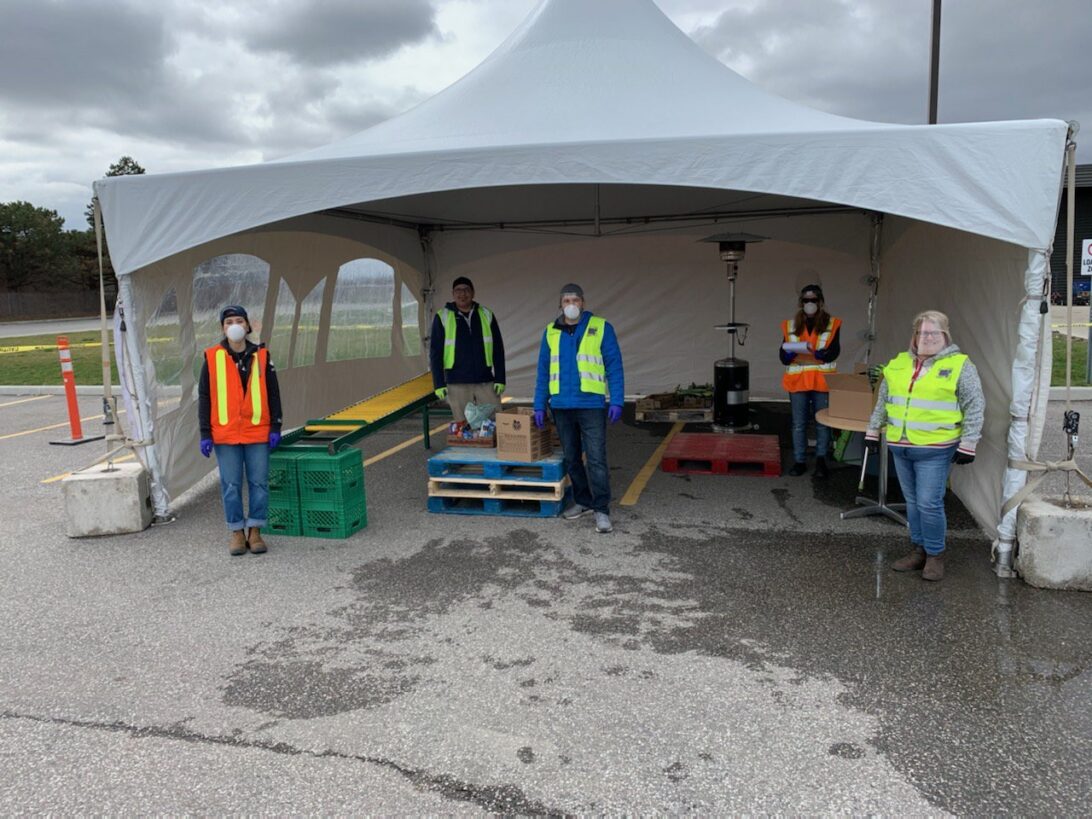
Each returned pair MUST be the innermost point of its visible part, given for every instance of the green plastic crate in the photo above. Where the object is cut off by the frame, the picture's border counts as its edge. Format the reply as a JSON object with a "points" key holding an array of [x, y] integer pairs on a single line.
{"points": [[331, 479], [283, 518], [284, 476], [333, 520]]}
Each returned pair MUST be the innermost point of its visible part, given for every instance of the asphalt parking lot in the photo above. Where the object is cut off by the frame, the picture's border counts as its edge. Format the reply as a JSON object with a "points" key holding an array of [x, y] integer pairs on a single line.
{"points": [[732, 647]]}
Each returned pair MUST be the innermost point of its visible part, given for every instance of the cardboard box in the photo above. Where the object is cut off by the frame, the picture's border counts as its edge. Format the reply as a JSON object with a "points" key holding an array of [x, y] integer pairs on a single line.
{"points": [[518, 439], [850, 396]]}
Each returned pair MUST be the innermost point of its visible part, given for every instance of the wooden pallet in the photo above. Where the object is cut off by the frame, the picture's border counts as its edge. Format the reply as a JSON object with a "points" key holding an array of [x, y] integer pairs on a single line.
{"points": [[458, 462], [696, 415], [507, 489], [505, 507], [715, 454]]}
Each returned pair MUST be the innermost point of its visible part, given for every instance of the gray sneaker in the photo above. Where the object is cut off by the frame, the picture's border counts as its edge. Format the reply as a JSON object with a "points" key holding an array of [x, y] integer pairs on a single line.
{"points": [[602, 523], [575, 511]]}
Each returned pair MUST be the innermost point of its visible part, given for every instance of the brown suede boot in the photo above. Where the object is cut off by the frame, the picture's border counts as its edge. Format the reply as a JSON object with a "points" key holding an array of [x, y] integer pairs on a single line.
{"points": [[237, 546], [911, 562], [934, 568], [254, 538]]}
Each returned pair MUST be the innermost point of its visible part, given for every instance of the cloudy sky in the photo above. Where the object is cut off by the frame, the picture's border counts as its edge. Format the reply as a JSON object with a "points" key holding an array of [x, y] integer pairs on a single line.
{"points": [[185, 84]]}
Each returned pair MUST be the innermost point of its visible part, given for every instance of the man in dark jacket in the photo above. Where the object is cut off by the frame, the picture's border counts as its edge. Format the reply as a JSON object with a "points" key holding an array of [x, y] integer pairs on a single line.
{"points": [[466, 352]]}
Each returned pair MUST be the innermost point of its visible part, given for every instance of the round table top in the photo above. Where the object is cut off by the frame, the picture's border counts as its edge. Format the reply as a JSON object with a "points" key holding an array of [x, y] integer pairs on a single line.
{"points": [[852, 424]]}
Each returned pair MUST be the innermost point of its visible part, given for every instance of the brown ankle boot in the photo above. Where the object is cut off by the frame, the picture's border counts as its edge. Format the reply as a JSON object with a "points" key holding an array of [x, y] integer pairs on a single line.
{"points": [[934, 568], [911, 562], [254, 538], [237, 546]]}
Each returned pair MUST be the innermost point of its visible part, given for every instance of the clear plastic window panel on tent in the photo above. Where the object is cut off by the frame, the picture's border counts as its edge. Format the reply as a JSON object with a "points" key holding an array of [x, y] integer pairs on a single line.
{"points": [[164, 339], [362, 317], [284, 323], [307, 330], [411, 323], [235, 278]]}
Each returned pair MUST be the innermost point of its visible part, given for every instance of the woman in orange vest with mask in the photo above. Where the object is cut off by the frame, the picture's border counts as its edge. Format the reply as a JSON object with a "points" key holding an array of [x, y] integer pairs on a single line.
{"points": [[239, 412], [809, 348]]}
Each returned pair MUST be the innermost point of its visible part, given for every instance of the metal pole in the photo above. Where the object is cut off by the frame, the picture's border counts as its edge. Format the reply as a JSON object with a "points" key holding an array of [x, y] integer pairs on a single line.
{"points": [[934, 65]]}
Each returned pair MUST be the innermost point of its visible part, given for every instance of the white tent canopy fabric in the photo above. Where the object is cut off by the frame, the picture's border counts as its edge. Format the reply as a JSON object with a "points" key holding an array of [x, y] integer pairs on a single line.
{"points": [[605, 114]]}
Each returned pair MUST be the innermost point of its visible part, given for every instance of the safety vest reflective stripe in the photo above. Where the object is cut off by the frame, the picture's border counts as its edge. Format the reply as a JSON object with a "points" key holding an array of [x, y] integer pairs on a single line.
{"points": [[255, 391], [447, 318], [221, 386], [589, 358], [925, 411]]}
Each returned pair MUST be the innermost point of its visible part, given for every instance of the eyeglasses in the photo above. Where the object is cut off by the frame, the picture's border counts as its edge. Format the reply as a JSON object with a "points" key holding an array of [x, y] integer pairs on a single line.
{"points": [[929, 333], [809, 301], [462, 290]]}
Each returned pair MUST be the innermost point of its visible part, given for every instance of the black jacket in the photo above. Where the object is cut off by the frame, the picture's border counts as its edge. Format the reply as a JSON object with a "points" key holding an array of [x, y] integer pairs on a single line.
{"points": [[242, 364], [469, 351]]}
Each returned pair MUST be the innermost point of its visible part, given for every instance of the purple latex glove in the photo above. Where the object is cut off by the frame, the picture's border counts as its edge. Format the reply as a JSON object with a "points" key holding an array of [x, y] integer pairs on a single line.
{"points": [[614, 413], [206, 446], [274, 440], [540, 418]]}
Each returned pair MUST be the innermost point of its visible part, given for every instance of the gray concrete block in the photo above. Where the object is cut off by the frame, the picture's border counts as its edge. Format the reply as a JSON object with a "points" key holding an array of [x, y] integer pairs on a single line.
{"points": [[107, 501], [1055, 544]]}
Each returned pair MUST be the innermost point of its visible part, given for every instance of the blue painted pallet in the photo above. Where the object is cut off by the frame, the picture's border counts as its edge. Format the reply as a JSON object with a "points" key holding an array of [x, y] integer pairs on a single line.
{"points": [[498, 506], [483, 463]]}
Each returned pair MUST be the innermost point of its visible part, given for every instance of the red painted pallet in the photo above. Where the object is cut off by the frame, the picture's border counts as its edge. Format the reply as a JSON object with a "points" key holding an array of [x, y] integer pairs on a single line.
{"points": [[714, 454]]}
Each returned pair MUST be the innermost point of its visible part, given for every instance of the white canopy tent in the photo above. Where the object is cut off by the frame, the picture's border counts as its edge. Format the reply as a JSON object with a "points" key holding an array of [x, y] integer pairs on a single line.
{"points": [[598, 144]]}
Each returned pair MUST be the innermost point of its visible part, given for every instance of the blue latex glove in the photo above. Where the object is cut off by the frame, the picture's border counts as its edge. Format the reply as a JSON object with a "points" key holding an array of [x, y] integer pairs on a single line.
{"points": [[498, 388], [206, 446], [441, 393], [274, 440], [540, 418], [614, 413]]}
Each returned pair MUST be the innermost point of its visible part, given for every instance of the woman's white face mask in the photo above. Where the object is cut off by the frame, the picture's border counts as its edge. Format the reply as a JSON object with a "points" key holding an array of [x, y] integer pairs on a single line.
{"points": [[811, 308], [236, 332]]}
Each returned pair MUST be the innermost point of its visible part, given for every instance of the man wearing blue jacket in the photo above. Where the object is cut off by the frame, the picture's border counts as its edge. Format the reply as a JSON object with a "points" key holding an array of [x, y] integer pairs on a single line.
{"points": [[578, 361]]}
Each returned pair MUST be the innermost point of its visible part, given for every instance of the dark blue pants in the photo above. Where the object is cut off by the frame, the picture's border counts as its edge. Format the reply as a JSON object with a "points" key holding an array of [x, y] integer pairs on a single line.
{"points": [[584, 432]]}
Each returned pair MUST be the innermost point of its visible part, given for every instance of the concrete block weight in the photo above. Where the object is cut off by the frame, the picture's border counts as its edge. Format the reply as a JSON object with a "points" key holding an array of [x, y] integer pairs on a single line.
{"points": [[107, 501], [1055, 544]]}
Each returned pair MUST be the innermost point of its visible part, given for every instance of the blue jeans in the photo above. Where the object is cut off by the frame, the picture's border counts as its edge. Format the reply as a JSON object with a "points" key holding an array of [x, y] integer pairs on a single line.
{"points": [[923, 476], [232, 459], [584, 432], [804, 406]]}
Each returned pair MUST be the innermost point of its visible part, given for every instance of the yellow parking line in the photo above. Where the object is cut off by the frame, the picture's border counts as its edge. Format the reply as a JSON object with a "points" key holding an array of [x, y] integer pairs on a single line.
{"points": [[638, 486], [51, 426], [25, 400], [401, 446], [64, 475]]}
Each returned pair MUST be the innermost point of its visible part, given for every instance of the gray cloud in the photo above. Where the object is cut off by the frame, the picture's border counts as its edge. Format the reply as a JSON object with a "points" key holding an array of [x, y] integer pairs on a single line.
{"points": [[329, 32]]}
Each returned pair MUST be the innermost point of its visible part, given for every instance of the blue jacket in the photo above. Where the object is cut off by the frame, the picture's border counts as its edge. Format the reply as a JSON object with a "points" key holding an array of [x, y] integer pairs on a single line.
{"points": [[569, 395]]}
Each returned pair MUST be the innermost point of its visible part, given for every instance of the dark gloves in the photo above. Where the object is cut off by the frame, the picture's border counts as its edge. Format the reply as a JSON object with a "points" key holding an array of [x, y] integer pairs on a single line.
{"points": [[274, 440], [962, 458], [540, 418], [206, 446], [614, 413], [872, 445]]}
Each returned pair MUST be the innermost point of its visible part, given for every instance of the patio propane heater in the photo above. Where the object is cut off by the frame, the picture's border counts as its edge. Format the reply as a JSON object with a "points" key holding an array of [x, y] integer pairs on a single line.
{"points": [[731, 375]]}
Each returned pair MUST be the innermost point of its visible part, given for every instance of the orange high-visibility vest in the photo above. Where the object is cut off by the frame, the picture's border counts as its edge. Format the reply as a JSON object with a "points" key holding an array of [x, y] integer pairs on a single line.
{"points": [[806, 372], [237, 417]]}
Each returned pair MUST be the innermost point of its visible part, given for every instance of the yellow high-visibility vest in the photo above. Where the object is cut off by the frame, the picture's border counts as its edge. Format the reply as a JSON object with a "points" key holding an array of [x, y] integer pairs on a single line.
{"points": [[448, 318], [930, 414], [589, 357]]}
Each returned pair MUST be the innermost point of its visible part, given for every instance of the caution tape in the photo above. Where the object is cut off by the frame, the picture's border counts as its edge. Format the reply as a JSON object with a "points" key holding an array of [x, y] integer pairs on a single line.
{"points": [[30, 348], [1074, 324]]}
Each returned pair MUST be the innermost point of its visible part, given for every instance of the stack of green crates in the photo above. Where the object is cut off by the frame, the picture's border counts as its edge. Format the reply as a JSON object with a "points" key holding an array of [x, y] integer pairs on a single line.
{"points": [[284, 493], [331, 488], [317, 494]]}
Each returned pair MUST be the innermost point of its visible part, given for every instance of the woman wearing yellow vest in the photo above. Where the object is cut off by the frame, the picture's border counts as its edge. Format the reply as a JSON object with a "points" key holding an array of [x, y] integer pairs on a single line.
{"points": [[809, 348], [931, 407], [239, 412]]}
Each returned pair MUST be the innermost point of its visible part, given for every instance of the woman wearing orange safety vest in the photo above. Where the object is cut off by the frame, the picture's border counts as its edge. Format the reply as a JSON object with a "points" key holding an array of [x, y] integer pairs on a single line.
{"points": [[809, 349], [239, 412]]}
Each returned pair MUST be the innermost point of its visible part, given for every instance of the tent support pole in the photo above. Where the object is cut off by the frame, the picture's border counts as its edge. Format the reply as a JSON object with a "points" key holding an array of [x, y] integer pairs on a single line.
{"points": [[146, 445], [428, 292], [873, 281], [1030, 375]]}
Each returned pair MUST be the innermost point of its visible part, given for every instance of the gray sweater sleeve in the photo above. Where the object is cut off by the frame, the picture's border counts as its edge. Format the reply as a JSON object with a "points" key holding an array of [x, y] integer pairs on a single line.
{"points": [[879, 413], [972, 402]]}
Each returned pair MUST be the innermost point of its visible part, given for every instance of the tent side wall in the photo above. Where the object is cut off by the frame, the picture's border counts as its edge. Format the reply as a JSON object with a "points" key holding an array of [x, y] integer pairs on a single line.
{"points": [[979, 284], [174, 318]]}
